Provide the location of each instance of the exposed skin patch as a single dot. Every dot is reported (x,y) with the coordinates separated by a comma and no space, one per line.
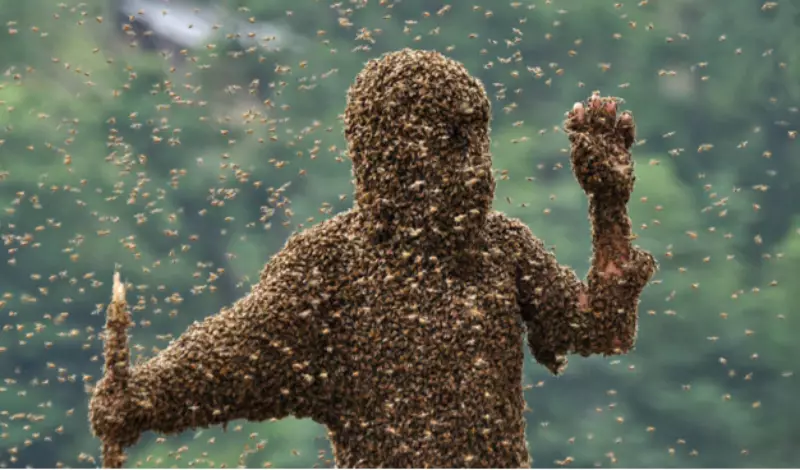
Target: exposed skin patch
(399,324)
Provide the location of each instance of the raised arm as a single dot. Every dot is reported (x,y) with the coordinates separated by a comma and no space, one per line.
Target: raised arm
(258,359)
(563,314)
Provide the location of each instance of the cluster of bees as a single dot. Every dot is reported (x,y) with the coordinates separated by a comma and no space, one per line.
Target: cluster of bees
(400,324)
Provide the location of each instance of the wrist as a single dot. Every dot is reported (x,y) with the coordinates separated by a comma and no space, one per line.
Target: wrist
(611,196)
(608,212)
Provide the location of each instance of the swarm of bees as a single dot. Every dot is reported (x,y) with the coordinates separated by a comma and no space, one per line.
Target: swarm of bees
(393,323)
(399,325)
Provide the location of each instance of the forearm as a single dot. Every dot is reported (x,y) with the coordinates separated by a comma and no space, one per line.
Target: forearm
(618,274)
(240,364)
(196,387)
(599,316)
(566,315)
(611,232)
(183,387)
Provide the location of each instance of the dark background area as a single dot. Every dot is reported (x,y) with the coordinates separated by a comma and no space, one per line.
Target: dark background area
(187,162)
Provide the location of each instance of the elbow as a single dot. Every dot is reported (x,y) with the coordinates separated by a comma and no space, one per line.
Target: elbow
(610,332)
(613,345)
(620,345)
(620,335)
(553,362)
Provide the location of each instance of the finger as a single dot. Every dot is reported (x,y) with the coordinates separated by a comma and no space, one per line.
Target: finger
(611,108)
(594,100)
(627,129)
(581,155)
(578,111)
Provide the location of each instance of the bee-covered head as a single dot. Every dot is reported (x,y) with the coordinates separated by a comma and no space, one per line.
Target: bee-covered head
(417,127)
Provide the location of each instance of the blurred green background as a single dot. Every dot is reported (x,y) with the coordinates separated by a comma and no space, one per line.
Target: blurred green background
(189,168)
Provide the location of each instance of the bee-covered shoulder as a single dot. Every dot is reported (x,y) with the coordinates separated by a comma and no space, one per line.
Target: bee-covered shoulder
(313,250)
(512,235)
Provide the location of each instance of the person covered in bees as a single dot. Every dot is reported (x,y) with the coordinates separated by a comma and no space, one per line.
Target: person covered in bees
(399,324)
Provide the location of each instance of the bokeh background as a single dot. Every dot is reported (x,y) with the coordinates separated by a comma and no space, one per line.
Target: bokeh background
(185,146)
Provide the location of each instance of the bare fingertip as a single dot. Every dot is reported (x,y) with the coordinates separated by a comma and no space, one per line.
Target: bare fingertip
(578,110)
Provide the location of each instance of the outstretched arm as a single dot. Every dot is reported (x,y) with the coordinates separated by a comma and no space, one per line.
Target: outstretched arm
(259,359)
(563,314)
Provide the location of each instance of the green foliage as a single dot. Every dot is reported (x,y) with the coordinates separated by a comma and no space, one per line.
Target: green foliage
(110,158)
